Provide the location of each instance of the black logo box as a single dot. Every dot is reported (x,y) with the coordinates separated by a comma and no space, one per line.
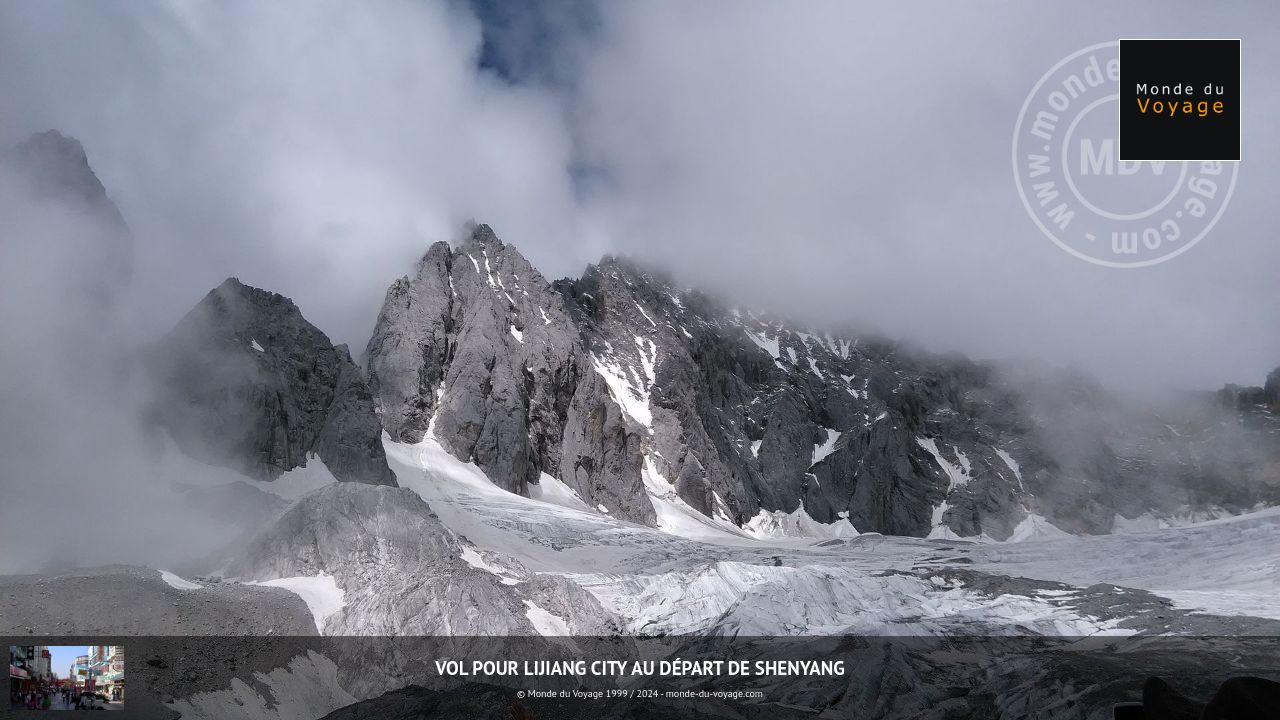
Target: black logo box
(1187,68)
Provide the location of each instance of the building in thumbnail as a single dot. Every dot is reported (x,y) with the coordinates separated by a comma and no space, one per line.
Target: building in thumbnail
(113,673)
(106,670)
(43,663)
(30,668)
(80,672)
(20,660)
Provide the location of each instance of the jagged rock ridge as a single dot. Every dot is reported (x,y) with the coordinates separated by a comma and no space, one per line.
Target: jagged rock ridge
(644,397)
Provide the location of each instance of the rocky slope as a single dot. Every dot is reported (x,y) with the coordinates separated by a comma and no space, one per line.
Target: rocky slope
(647,400)
(244,381)
(399,571)
(134,601)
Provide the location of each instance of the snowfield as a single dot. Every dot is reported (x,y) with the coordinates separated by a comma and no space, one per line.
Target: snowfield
(321,594)
(550,566)
(176,582)
(1229,566)
(785,574)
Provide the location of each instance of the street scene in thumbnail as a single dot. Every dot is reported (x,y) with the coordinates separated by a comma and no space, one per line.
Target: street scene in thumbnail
(66,677)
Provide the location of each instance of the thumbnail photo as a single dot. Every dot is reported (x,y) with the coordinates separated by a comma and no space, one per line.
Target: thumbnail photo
(66,677)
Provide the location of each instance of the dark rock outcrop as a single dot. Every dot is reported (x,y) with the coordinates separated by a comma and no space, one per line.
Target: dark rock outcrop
(244,381)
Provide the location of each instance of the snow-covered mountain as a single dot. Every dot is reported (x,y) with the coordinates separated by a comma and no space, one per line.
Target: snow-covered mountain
(620,457)
(650,401)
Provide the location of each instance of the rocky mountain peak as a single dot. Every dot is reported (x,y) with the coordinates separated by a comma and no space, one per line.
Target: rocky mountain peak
(54,168)
(245,381)
(480,235)
(480,352)
(237,305)
(53,162)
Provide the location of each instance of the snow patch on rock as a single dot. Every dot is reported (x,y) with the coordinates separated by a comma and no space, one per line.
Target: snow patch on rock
(768,345)
(826,447)
(646,315)
(1013,465)
(677,517)
(176,582)
(957,476)
(547,624)
(551,490)
(631,396)
(321,594)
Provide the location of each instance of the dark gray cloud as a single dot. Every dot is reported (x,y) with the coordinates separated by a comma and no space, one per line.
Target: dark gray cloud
(843,162)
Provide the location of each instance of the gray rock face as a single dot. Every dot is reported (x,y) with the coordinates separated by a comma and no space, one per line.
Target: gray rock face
(604,451)
(629,388)
(408,352)
(478,347)
(244,381)
(741,414)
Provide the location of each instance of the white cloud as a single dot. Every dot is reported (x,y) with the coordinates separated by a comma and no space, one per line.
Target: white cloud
(312,148)
(837,161)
